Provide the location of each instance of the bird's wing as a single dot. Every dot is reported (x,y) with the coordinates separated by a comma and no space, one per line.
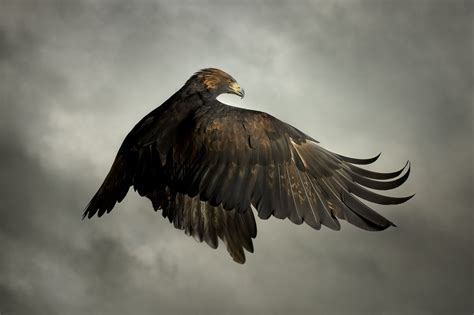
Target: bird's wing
(114,188)
(236,158)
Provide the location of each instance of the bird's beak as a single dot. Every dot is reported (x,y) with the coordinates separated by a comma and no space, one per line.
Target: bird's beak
(236,89)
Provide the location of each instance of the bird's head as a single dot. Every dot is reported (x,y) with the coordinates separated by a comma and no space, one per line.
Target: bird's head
(212,82)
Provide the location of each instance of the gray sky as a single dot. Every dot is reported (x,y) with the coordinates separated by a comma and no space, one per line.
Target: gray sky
(361,77)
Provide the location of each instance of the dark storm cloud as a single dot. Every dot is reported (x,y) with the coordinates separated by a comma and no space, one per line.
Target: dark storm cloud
(361,77)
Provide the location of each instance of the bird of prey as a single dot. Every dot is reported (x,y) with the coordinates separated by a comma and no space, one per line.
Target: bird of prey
(208,166)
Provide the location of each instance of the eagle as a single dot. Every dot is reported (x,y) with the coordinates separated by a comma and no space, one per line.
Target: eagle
(208,166)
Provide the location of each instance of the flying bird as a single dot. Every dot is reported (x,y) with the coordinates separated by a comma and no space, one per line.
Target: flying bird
(207,166)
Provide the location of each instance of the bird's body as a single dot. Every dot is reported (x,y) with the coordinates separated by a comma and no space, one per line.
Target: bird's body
(204,164)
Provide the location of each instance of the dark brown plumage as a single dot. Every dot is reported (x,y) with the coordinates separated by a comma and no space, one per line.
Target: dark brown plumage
(204,164)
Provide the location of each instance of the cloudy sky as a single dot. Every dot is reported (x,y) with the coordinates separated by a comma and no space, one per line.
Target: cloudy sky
(361,77)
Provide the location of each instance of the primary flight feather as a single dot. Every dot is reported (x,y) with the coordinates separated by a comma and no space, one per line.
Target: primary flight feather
(204,164)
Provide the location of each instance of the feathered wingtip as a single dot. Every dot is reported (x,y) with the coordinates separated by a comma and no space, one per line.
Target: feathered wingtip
(357,180)
(359,161)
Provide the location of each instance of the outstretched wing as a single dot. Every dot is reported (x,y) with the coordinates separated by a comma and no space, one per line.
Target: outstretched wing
(236,158)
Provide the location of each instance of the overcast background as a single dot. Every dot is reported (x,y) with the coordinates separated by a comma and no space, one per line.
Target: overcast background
(361,77)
